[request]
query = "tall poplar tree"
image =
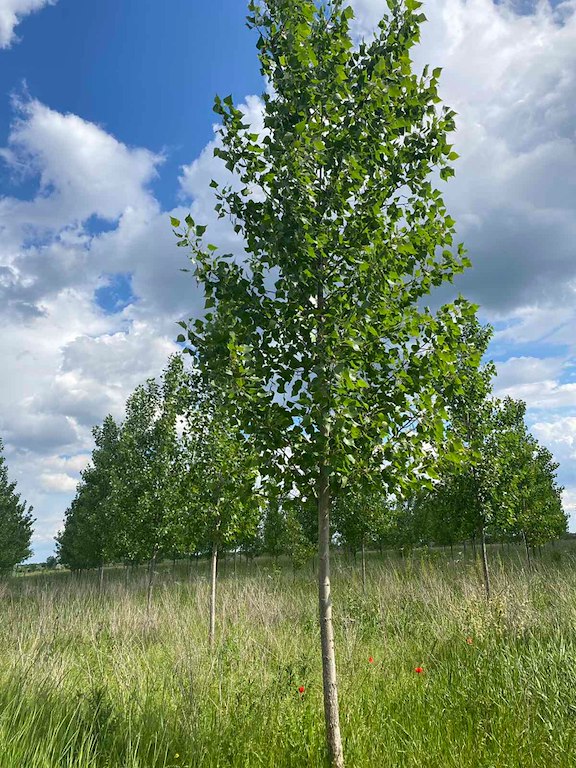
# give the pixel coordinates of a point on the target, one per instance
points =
(530, 499)
(335, 364)
(219, 506)
(145, 492)
(89, 536)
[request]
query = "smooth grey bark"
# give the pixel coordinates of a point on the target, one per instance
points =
(485, 571)
(101, 580)
(213, 569)
(150, 587)
(527, 548)
(330, 685)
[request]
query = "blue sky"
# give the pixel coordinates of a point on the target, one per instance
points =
(146, 72)
(106, 129)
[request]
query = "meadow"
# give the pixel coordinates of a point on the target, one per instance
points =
(89, 680)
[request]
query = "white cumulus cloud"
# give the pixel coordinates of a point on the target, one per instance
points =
(11, 14)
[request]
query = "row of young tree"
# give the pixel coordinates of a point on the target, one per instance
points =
(16, 522)
(327, 387)
(175, 479)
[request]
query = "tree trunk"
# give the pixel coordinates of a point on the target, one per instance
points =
(485, 570)
(213, 566)
(363, 567)
(101, 580)
(527, 548)
(151, 567)
(330, 685)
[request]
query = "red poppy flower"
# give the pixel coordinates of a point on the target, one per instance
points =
(301, 690)
(370, 660)
(469, 640)
(418, 669)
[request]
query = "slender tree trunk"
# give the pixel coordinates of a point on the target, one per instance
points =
(330, 685)
(527, 548)
(101, 579)
(363, 567)
(190, 561)
(451, 551)
(151, 567)
(474, 547)
(234, 562)
(485, 570)
(213, 567)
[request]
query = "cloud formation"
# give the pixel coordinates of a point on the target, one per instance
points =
(11, 14)
(66, 361)
(511, 78)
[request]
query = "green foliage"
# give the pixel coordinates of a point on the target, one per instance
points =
(504, 481)
(145, 490)
(219, 503)
(362, 515)
(320, 335)
(89, 536)
(174, 477)
(530, 495)
(15, 522)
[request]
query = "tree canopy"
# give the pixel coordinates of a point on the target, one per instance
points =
(16, 522)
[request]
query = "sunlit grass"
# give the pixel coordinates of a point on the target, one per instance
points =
(90, 680)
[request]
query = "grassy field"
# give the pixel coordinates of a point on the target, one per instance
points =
(89, 680)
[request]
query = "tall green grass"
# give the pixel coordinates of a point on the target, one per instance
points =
(91, 681)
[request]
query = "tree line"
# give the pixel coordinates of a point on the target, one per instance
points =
(177, 479)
